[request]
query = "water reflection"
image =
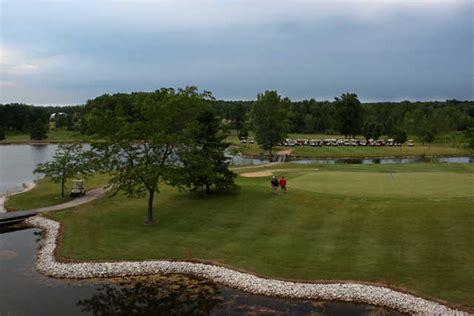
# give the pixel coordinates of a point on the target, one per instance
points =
(185, 295)
(173, 295)
(370, 161)
(25, 292)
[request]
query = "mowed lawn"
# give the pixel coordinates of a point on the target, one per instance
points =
(409, 226)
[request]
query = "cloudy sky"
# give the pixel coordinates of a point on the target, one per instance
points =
(65, 52)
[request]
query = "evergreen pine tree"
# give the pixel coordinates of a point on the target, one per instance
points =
(205, 164)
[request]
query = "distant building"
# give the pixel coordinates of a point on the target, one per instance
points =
(53, 116)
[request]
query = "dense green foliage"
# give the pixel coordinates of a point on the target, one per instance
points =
(269, 117)
(146, 136)
(16, 117)
(400, 136)
(350, 113)
(65, 121)
(39, 130)
(470, 137)
(306, 116)
(372, 130)
(323, 117)
(205, 164)
(21, 117)
(68, 161)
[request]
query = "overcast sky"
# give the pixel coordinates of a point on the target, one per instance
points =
(65, 52)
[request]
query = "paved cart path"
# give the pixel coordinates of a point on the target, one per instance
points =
(90, 196)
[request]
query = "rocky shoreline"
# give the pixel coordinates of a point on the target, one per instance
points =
(347, 292)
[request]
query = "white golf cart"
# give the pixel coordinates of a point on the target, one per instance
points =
(77, 188)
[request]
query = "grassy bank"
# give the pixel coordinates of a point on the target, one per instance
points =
(54, 136)
(404, 225)
(47, 193)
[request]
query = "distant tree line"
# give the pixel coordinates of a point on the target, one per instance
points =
(347, 116)
(24, 118)
(344, 115)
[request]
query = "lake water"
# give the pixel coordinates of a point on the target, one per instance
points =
(23, 291)
(17, 163)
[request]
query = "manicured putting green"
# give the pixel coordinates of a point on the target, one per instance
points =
(427, 184)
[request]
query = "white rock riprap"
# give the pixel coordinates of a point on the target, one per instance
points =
(348, 292)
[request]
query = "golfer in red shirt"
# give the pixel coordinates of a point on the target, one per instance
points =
(283, 184)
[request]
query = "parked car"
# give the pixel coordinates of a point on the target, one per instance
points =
(243, 140)
(410, 143)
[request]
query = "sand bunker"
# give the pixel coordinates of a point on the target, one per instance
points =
(269, 173)
(257, 174)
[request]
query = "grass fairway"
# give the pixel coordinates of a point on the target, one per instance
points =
(48, 193)
(387, 185)
(341, 222)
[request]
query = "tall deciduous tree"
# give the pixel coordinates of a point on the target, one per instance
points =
(144, 136)
(350, 114)
(240, 118)
(68, 161)
(400, 136)
(205, 164)
(427, 135)
(470, 138)
(372, 130)
(270, 121)
(39, 130)
(70, 126)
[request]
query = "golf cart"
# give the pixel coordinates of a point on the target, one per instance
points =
(77, 188)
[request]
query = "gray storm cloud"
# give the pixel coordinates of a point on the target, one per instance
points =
(63, 52)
